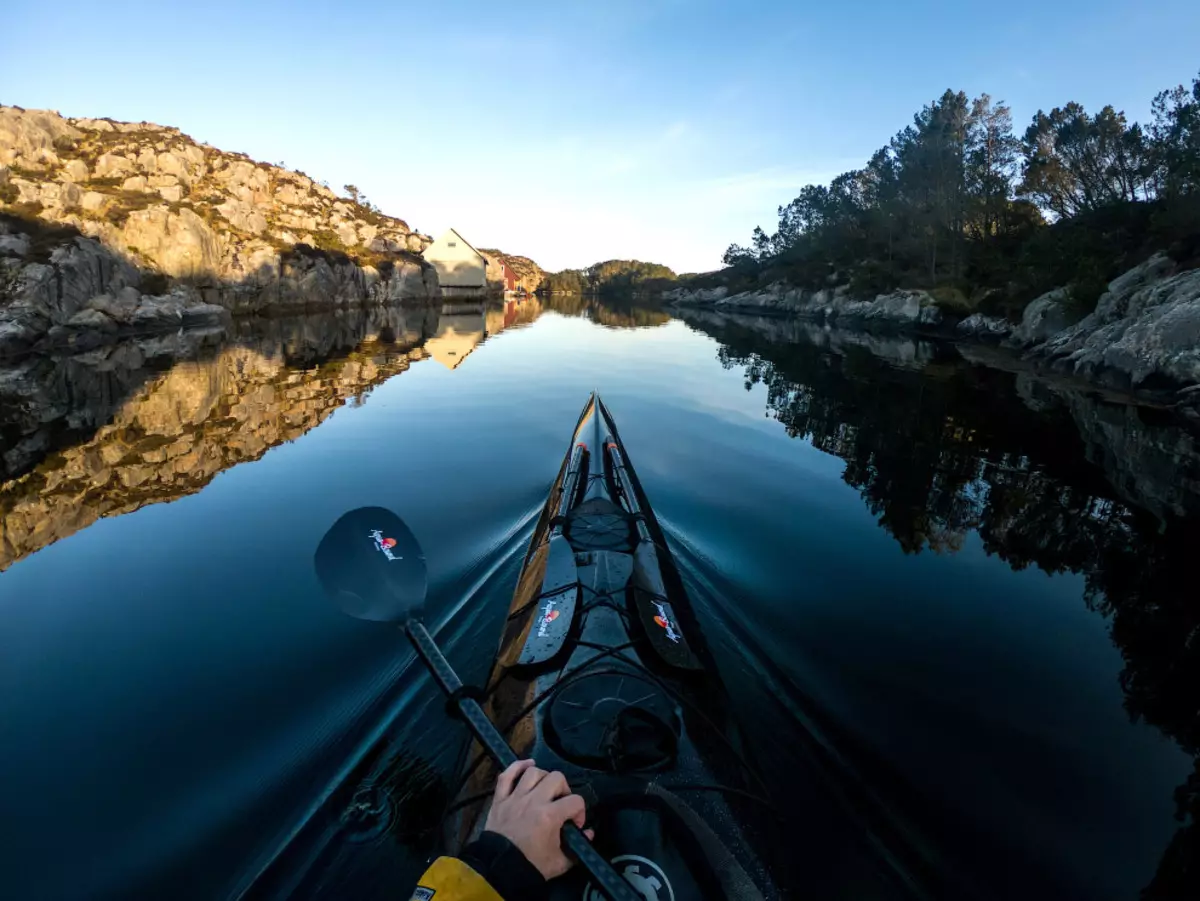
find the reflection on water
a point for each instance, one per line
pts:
(938, 453)
(977, 475)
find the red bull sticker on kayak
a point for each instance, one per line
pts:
(384, 545)
(549, 615)
(663, 620)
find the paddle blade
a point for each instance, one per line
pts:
(370, 564)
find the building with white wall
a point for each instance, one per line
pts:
(461, 269)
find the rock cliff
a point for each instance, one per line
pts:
(1143, 334)
(109, 227)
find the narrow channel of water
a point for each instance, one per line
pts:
(956, 598)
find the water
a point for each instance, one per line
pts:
(955, 601)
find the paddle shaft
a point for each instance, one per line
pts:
(612, 885)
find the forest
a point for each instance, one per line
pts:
(958, 204)
(612, 277)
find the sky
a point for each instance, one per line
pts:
(660, 130)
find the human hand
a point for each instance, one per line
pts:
(529, 808)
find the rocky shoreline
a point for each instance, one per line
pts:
(1143, 335)
(110, 229)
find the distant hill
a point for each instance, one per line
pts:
(612, 277)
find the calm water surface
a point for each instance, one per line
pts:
(956, 603)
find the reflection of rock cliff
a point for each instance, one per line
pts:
(153, 436)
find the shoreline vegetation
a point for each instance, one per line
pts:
(958, 205)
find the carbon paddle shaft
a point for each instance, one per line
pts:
(607, 880)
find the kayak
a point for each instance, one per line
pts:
(602, 673)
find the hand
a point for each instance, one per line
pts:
(529, 809)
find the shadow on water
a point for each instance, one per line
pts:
(939, 450)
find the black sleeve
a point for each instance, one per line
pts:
(505, 868)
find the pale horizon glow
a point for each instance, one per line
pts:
(660, 130)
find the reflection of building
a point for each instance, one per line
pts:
(461, 269)
(461, 328)
(464, 326)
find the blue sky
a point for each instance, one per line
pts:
(656, 129)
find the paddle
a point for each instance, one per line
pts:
(372, 566)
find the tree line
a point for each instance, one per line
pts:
(610, 278)
(958, 203)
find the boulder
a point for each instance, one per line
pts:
(91, 320)
(243, 217)
(31, 134)
(110, 165)
(94, 124)
(980, 326)
(70, 197)
(1046, 316)
(1147, 328)
(76, 170)
(118, 307)
(171, 193)
(134, 183)
(179, 244)
(170, 164)
(14, 245)
(92, 200)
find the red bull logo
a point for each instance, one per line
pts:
(663, 621)
(549, 615)
(384, 545)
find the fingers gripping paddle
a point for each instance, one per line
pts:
(372, 566)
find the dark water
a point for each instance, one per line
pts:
(956, 604)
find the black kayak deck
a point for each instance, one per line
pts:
(602, 674)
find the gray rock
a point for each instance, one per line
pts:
(1046, 316)
(14, 245)
(88, 320)
(119, 307)
(1148, 326)
(978, 325)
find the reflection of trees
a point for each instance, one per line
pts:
(613, 312)
(941, 451)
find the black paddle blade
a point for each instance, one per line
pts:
(371, 565)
